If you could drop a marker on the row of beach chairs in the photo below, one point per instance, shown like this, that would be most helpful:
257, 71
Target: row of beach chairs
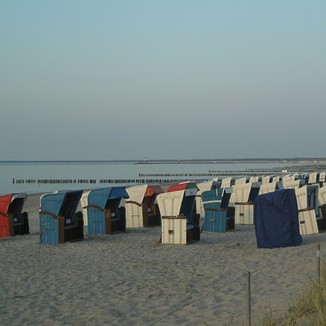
65, 215
183, 210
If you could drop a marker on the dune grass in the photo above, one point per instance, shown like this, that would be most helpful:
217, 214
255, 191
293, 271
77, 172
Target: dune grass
309, 308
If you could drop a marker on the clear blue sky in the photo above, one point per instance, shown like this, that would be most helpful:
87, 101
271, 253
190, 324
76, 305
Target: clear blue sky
118, 79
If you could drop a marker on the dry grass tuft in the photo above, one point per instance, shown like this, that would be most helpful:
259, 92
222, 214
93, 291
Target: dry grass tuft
308, 309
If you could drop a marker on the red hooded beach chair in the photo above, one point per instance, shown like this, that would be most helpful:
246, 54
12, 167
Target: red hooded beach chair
12, 220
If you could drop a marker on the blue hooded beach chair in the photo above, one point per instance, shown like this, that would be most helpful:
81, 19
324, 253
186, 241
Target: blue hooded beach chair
218, 216
59, 221
104, 213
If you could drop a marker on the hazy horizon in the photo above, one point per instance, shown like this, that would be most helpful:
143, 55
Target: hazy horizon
183, 160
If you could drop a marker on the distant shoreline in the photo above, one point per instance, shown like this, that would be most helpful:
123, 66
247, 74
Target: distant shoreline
311, 160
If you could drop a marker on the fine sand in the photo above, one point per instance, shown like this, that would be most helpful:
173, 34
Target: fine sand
131, 279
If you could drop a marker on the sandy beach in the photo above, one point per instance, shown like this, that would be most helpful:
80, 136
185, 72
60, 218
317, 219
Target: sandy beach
131, 279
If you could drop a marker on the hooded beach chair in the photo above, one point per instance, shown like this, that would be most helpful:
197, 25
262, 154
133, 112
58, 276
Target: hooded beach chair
219, 217
254, 179
141, 207
242, 198
59, 219
227, 182
322, 207
292, 184
276, 219
180, 222
309, 214
270, 187
307, 201
13, 221
312, 178
202, 187
240, 181
266, 179
105, 215
322, 178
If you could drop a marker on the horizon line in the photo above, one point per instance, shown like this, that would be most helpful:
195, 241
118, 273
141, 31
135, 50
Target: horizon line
145, 160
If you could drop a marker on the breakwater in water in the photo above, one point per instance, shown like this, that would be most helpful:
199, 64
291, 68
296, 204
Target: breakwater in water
150, 178
39, 176
160, 178
95, 181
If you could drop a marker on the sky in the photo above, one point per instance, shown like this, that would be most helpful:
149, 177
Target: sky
162, 79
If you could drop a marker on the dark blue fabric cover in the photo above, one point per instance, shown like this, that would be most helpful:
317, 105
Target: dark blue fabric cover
276, 219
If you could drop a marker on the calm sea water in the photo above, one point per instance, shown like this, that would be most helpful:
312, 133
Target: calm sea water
39, 177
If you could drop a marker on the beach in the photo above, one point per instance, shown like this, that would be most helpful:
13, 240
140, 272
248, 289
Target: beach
131, 279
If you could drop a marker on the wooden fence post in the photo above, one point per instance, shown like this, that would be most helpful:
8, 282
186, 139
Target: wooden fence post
318, 264
248, 299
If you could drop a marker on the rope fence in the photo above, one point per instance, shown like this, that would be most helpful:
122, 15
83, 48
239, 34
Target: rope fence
246, 278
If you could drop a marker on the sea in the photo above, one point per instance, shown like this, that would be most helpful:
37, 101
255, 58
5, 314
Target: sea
46, 176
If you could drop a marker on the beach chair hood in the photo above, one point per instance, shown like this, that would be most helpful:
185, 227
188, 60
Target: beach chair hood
189, 188
6, 200
206, 186
53, 202
212, 198
153, 190
137, 193
99, 197
5, 203
179, 199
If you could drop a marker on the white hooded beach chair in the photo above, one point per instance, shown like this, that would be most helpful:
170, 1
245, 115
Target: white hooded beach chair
253, 179
266, 179
226, 182
322, 207
307, 200
242, 198
180, 224
267, 187
240, 181
292, 184
312, 178
322, 178
141, 207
